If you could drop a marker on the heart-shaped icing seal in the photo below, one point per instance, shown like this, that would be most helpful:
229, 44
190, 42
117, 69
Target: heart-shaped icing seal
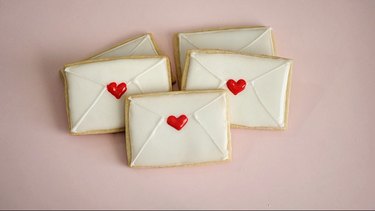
236, 87
117, 90
177, 123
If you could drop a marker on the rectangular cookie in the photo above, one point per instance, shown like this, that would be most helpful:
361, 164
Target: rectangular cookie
177, 128
255, 40
95, 90
258, 86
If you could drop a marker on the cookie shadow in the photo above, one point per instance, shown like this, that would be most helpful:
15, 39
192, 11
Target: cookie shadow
51, 64
119, 145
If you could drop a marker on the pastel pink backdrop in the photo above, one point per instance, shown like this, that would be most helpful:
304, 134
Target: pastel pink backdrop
324, 160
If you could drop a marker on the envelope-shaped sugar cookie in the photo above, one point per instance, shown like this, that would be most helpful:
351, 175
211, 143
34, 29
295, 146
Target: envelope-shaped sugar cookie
258, 86
256, 40
95, 90
177, 128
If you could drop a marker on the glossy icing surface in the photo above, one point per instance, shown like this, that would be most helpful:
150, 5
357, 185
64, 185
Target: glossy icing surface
95, 103
204, 136
257, 40
262, 102
139, 46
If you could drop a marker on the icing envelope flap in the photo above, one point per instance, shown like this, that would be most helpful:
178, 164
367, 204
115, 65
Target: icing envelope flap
97, 88
260, 101
204, 138
181, 103
112, 70
221, 67
142, 45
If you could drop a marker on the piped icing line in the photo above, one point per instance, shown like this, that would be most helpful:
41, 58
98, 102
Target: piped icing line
74, 129
189, 41
263, 106
204, 67
188, 114
208, 104
205, 130
153, 44
117, 47
75, 74
209, 135
136, 84
148, 69
254, 41
135, 79
148, 140
223, 83
137, 46
145, 108
220, 30
268, 72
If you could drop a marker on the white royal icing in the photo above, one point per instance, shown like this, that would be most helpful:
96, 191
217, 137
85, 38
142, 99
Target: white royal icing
92, 107
204, 138
262, 103
140, 46
257, 40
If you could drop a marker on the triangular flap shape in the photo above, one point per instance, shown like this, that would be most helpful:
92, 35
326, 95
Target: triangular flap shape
125, 49
82, 94
262, 45
146, 47
229, 39
218, 130
141, 117
184, 45
107, 114
247, 110
236, 66
177, 104
271, 90
198, 77
119, 70
148, 80
177, 149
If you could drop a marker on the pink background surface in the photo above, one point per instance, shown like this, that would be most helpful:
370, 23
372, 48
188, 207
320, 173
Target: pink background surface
325, 159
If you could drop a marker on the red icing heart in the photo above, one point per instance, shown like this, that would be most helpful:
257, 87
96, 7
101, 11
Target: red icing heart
117, 90
177, 123
236, 87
